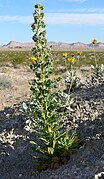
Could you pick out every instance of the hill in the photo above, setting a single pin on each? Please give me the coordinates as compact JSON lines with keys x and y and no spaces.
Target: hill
{"x":55,"y":45}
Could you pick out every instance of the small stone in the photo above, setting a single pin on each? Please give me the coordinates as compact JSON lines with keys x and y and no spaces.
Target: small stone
{"x":20,"y":175}
{"x":99,"y":175}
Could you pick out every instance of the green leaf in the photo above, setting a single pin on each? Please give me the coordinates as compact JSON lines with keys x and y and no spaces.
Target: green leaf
{"x":24,"y":106}
{"x":54,"y":143}
{"x":50,"y":129}
{"x":45,"y":140}
{"x":32,"y":142}
{"x":50,"y":150}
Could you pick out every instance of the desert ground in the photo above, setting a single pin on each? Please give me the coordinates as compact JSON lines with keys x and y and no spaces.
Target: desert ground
{"x":87,"y":117}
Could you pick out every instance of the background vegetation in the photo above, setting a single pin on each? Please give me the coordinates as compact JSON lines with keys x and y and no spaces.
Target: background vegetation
{"x":23,"y":57}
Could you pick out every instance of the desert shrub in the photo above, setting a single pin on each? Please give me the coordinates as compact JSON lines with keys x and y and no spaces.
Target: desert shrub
{"x":22,"y":58}
{"x":48,"y":108}
{"x":15,"y":57}
{"x":4,"y":82}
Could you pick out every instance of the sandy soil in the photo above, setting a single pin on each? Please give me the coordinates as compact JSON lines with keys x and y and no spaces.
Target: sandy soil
{"x":19,"y":89}
{"x":20,"y":78}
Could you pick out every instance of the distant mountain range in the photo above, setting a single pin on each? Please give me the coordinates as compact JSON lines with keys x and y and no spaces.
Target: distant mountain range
{"x":55,"y":45}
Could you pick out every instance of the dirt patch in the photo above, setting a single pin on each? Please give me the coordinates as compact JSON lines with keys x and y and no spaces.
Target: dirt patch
{"x":19,"y":90}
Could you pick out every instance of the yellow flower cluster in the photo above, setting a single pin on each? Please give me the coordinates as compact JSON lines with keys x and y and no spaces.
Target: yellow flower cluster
{"x":71,"y":60}
{"x":94,"y":41}
{"x":33,"y":59}
{"x":64,"y":54}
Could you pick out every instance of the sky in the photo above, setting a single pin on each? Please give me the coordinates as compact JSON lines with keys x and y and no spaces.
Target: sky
{"x":66,"y":20}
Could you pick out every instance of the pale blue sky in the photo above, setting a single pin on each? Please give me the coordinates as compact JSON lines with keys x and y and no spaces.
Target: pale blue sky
{"x":67,"y":20}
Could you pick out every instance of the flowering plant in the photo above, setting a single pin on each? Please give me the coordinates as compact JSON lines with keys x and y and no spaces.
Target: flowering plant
{"x":47,"y":120}
{"x":72,"y":81}
{"x":98,"y":70}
